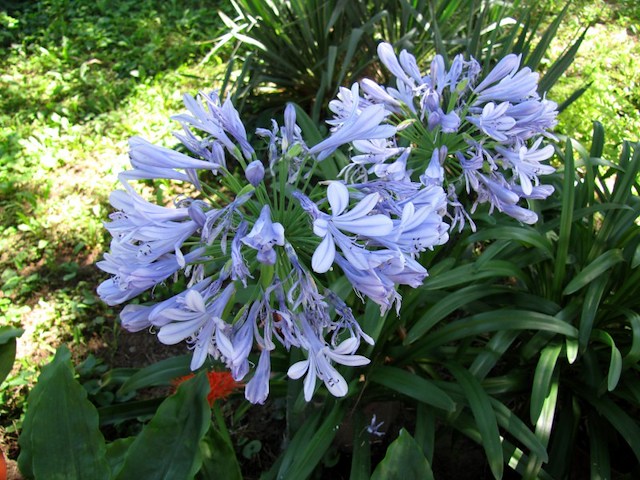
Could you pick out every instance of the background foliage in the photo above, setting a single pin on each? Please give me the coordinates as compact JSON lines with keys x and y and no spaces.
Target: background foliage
{"x":78,"y":78}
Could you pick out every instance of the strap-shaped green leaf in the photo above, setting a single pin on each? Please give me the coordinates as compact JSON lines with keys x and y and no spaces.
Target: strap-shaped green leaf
{"x":598,"y":447}
{"x":120,"y":412}
{"x":626,"y":425}
{"x":542,"y":379}
{"x":615,"y":362}
{"x":60,"y":436}
{"x":168,"y":446}
{"x":566,"y":220}
{"x":447,"y":305}
{"x":544,"y":426}
{"x":538,"y":53}
{"x":590,"y":309}
{"x":523,"y":234}
{"x":310,"y":443}
{"x":485,"y":417}
{"x":633,"y":355}
{"x":592,"y":271}
{"x":482,"y":323}
{"x":404,"y":460}
{"x":560,"y":65}
{"x":469,"y":273}
{"x":361,"y":451}
{"x":517,"y":428}
{"x":491,"y":354}
{"x":413,"y":386}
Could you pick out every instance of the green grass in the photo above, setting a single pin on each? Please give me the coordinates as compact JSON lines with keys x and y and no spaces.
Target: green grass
{"x":609,"y":61}
{"x":77,"y":79}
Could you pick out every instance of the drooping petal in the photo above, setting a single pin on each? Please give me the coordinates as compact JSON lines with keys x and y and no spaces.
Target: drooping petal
{"x":338,"y":196}
{"x":298,"y":369}
{"x":323,"y":256}
{"x":175,"y":332}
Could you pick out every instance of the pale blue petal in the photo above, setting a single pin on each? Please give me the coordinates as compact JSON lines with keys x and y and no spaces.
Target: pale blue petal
{"x":323,"y":256}
{"x":176,"y":332}
{"x":338,"y":196}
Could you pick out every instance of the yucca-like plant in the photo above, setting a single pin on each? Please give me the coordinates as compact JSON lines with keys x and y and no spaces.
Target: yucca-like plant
{"x":304,"y":51}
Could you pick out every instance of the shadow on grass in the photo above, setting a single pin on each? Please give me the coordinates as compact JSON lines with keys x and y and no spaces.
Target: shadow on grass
{"x":81,"y":58}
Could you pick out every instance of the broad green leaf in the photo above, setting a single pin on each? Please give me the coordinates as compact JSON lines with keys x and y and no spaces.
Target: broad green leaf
{"x":542,"y":379}
{"x":592,"y":271}
{"x":310,"y":443}
{"x":404,"y":460}
{"x":116,"y":451}
{"x":8,"y":333}
{"x":413,"y":386}
{"x":218,"y":458}
{"x":160,"y":373}
{"x":60,"y":437}
{"x":7,"y":357}
{"x":485,"y":417}
{"x":168,"y":446}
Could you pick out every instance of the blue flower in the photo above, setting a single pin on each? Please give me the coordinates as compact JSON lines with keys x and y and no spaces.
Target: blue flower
{"x":359,"y":125}
{"x":200,"y":322}
{"x":264,"y":235}
{"x":257,"y":389}
{"x":358,"y":220}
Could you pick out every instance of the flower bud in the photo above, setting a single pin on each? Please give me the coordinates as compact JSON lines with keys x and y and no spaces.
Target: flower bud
{"x":254,"y":172}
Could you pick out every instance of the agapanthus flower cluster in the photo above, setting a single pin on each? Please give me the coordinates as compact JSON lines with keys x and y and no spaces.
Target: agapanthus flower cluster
{"x":455,"y":127}
{"x":249,"y":247}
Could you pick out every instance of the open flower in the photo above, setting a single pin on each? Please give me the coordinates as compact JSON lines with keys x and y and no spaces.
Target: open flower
{"x":357,"y":220}
{"x":264,"y":235}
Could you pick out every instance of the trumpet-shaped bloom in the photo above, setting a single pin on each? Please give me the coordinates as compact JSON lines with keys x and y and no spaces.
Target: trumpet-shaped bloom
{"x":318,"y":363}
{"x":526,"y":163}
{"x":264,"y":235}
{"x":357,"y":220}
{"x":201,"y":322}
{"x":359,"y":125}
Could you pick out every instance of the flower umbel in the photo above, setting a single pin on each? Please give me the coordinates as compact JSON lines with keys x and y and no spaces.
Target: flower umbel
{"x":239,"y":268}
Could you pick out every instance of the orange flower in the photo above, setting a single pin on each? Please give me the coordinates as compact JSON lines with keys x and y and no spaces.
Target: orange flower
{"x":221,"y":384}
